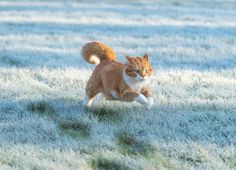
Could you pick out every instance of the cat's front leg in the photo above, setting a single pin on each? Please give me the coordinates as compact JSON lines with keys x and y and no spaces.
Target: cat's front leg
{"x":150,"y":99}
{"x":112,"y":95}
{"x":130,"y":95}
{"x":115,"y":95}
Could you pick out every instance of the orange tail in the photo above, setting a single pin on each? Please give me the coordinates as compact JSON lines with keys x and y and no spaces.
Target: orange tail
{"x":94,"y":52}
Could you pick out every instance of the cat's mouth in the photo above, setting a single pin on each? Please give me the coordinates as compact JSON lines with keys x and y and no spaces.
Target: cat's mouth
{"x":141,"y":79}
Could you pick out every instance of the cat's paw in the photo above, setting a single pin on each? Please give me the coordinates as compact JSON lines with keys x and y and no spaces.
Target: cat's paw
{"x":100,"y":98}
{"x":149,"y":103}
{"x":141,"y":99}
{"x":114,"y":95}
{"x":87,"y":102}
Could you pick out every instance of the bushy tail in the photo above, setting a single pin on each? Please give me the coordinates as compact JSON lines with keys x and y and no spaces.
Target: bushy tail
{"x":94,"y":52}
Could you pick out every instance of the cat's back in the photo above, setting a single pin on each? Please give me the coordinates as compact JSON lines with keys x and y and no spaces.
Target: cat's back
{"x":109,"y":69}
{"x":109,"y":66}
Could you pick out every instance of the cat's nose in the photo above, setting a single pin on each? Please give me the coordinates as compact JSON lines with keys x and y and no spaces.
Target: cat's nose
{"x":143,"y":78}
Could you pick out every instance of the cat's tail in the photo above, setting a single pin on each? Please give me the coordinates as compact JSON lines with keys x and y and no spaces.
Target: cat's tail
{"x":95,"y":52}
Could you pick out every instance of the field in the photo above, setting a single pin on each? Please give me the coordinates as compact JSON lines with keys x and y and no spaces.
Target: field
{"x":192,"y":46}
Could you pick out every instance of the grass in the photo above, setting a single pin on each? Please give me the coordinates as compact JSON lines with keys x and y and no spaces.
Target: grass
{"x":192,"y":161}
{"x":4,"y":163}
{"x":232,"y":164}
{"x":75,"y":129}
{"x":101,"y":163}
{"x":42,"y":108}
{"x":192,"y":50}
{"x":12,"y":61}
{"x":133,"y":146}
{"x":105,"y":113}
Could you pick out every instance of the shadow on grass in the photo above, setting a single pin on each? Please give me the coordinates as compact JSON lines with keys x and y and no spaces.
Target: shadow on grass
{"x":131,"y":145}
{"x":42,"y":108}
{"x":75,"y":129}
{"x":10,"y":61}
{"x":101,"y":163}
{"x":105,"y":113}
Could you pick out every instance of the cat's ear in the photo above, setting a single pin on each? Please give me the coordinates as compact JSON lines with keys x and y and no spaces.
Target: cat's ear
{"x":145,"y":57}
{"x":128,"y":58}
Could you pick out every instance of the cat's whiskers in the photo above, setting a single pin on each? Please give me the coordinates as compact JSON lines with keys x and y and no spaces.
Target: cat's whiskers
{"x":135,"y":83}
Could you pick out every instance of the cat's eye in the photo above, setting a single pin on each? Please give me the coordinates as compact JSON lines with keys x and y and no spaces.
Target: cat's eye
{"x":138,"y":71}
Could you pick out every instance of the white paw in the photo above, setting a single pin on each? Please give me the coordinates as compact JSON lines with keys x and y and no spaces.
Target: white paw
{"x":87,"y":102}
{"x":114,"y":95}
{"x":150,"y":102}
{"x":141,"y":99}
{"x":100,"y":98}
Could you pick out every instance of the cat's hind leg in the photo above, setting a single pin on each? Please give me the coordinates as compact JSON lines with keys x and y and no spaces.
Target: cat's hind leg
{"x":90,"y":96}
{"x":87,"y":102}
{"x":115,"y":95}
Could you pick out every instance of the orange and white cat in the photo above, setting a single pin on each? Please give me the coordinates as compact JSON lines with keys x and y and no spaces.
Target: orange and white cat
{"x":116,"y":81}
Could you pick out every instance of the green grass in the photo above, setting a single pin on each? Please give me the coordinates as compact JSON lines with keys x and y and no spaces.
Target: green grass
{"x":101,"y":163}
{"x":106,"y":114}
{"x":42,"y":108}
{"x":75,"y":129}
{"x":131,"y":145}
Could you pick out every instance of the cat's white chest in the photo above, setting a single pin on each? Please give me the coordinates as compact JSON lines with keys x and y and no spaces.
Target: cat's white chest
{"x":137,"y":86}
{"x":134,"y":84}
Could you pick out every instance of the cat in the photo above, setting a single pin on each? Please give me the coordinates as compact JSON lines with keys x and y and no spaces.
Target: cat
{"x":116,"y":81}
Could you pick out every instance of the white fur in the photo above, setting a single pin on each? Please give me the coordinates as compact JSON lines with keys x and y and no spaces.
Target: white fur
{"x":141,"y":99}
{"x":100,"y":98}
{"x":114,"y":94}
{"x":94,"y":59}
{"x":136,"y":83}
{"x":87,"y":102}
{"x":141,"y":79}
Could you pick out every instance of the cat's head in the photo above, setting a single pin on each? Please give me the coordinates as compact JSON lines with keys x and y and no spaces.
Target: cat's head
{"x":138,"y":68}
